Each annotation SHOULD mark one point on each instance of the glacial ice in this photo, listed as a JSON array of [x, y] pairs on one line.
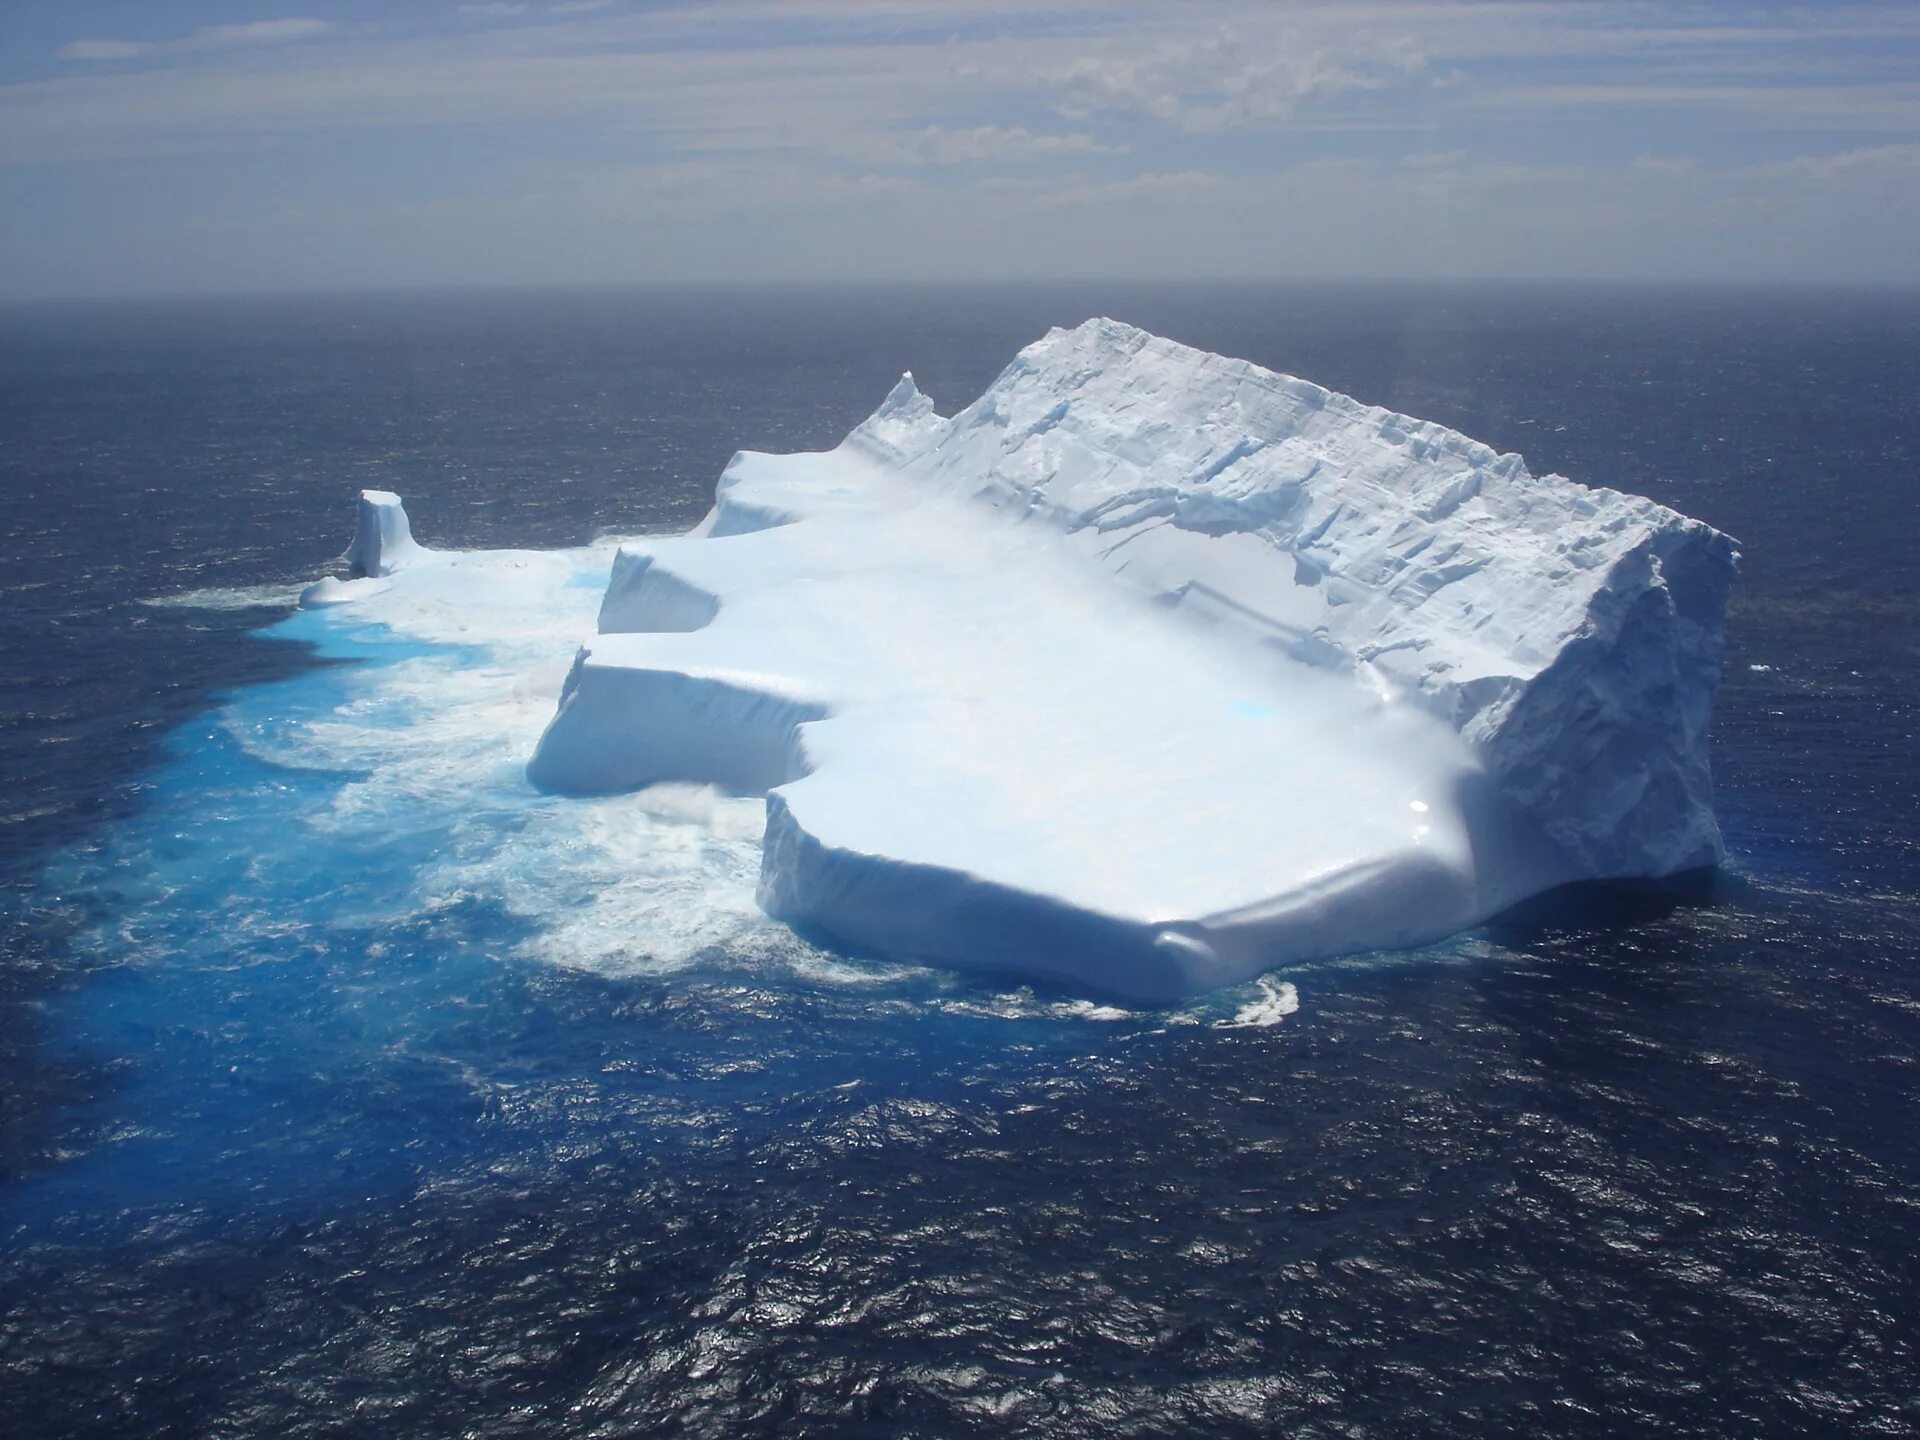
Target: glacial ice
[[1150, 671], [382, 544]]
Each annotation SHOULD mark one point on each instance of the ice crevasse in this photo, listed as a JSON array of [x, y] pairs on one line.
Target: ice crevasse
[[1151, 670]]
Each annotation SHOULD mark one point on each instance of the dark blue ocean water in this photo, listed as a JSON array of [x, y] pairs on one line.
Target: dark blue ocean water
[[341, 1095]]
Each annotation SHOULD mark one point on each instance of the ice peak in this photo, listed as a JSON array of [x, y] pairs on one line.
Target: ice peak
[[905, 395], [1102, 335], [904, 425], [1106, 328]]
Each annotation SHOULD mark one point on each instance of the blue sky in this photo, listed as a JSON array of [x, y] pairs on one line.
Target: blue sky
[[197, 146]]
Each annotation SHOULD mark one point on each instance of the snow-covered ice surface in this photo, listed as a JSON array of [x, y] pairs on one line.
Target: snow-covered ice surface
[[1147, 672]]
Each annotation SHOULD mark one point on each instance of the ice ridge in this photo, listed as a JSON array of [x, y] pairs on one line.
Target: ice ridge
[[1571, 634]]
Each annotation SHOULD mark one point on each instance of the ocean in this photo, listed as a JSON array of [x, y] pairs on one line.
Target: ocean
[[348, 1087]]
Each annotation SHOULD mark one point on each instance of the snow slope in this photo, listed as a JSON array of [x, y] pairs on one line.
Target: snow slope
[[1150, 671]]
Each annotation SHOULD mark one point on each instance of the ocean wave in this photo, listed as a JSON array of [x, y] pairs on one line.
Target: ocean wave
[[234, 597]]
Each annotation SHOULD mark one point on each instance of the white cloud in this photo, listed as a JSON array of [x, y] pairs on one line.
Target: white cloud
[[1666, 164], [903, 135], [1230, 80], [211, 37], [102, 50], [1852, 106], [258, 32], [1433, 159], [806, 97], [1869, 161], [1171, 186], [982, 145], [693, 193]]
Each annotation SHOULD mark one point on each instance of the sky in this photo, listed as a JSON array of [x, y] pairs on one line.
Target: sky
[[195, 146]]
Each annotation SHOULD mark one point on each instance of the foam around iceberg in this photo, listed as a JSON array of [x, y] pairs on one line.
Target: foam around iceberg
[[1152, 670]]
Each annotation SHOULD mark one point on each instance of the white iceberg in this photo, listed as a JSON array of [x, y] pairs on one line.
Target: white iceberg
[[1152, 670], [382, 544]]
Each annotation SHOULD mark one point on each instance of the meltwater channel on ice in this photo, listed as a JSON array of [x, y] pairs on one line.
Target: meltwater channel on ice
[[1145, 673]]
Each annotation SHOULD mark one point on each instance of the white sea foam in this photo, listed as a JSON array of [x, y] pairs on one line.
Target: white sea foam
[[1275, 1000], [433, 745], [1024, 1004], [617, 885], [238, 597]]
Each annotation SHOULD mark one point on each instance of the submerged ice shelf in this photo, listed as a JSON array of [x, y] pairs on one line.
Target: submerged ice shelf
[[1149, 671]]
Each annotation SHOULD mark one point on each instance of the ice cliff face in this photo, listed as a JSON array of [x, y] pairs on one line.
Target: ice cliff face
[[1571, 635], [382, 538]]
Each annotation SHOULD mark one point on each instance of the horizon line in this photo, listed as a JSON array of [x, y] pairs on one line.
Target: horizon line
[[1822, 284]]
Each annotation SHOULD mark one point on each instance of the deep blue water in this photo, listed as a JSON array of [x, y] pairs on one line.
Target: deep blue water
[[340, 1094]]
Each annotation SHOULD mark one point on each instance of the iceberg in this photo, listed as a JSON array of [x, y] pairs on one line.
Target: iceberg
[[1151, 671], [382, 544]]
